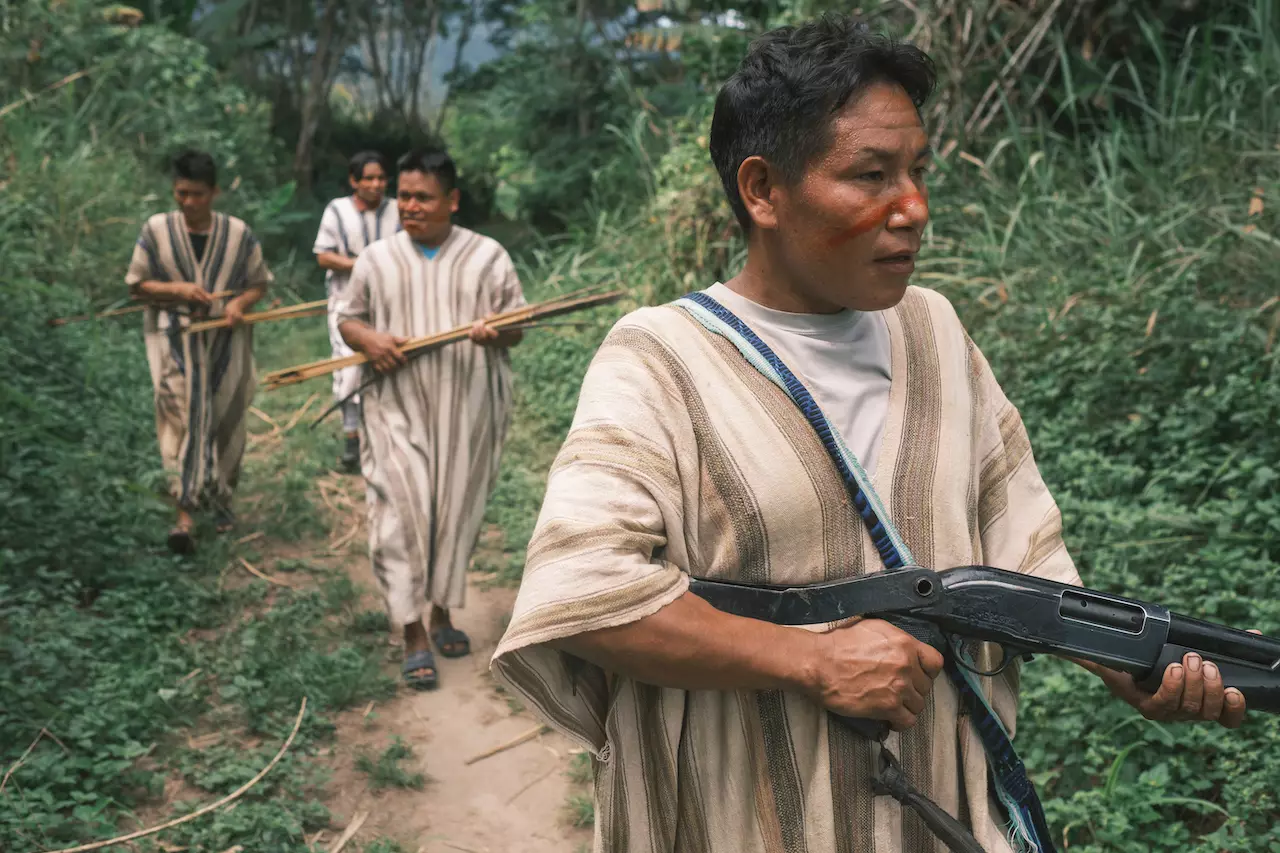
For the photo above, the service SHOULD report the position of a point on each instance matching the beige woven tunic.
(432, 431)
(203, 383)
(682, 459)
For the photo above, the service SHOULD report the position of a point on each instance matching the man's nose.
(911, 210)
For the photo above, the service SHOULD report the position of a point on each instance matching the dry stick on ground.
(230, 798)
(350, 534)
(266, 578)
(297, 416)
(289, 312)
(351, 830)
(40, 734)
(502, 747)
(264, 416)
(252, 536)
(531, 783)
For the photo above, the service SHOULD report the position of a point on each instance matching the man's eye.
(871, 176)
(920, 171)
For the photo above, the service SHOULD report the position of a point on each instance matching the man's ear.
(758, 186)
(213, 194)
(454, 197)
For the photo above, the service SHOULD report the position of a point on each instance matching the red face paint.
(869, 221)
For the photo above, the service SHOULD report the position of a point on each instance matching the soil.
(514, 801)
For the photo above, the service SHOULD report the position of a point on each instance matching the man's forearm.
(336, 262)
(248, 298)
(157, 291)
(690, 645)
(356, 334)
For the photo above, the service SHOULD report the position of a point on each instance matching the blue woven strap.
(1013, 786)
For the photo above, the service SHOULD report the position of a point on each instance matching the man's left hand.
(233, 313)
(1191, 690)
(483, 334)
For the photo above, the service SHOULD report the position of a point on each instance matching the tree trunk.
(320, 79)
(464, 38)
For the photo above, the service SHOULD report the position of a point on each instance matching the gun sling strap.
(1029, 830)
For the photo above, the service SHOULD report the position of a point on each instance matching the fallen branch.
(289, 312)
(266, 578)
(502, 747)
(297, 416)
(252, 536)
(531, 783)
(350, 534)
(350, 831)
(232, 797)
(261, 415)
(40, 734)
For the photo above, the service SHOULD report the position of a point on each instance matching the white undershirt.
(843, 359)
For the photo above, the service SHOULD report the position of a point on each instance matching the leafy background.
(1104, 219)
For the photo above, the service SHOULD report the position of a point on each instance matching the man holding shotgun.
(194, 264)
(432, 429)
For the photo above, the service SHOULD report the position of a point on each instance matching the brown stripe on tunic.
(692, 835)
(912, 509)
(657, 767)
(852, 803)
(766, 806)
(842, 527)
(743, 511)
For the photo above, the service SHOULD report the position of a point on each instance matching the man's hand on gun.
(873, 670)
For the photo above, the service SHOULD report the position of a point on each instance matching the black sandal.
(417, 661)
(450, 636)
(181, 541)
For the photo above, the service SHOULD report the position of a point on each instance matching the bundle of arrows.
(521, 318)
(288, 312)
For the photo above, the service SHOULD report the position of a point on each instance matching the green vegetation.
(1106, 225)
(385, 770)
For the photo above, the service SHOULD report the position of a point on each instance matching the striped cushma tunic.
(204, 383)
(432, 431)
(682, 459)
(348, 231)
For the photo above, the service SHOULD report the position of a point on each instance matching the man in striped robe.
(710, 732)
(348, 226)
(194, 264)
(432, 429)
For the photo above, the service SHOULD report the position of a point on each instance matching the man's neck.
(436, 243)
(765, 283)
(364, 206)
(200, 226)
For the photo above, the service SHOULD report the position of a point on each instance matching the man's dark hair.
(431, 162)
(192, 165)
(780, 102)
(355, 166)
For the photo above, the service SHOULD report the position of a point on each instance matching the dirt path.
(512, 802)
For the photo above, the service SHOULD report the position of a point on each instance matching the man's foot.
(451, 642)
(419, 670)
(350, 460)
(180, 539)
(419, 667)
(225, 520)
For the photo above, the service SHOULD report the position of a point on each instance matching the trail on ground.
(514, 801)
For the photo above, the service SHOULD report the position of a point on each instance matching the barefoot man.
(204, 382)
(347, 228)
(432, 428)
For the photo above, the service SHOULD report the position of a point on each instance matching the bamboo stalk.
(289, 312)
(501, 322)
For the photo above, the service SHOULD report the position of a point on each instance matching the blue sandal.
(420, 661)
(451, 642)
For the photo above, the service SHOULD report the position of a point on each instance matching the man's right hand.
(383, 349)
(191, 293)
(871, 669)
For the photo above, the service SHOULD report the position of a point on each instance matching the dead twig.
(531, 783)
(252, 536)
(265, 577)
(230, 798)
(502, 747)
(350, 831)
(297, 416)
(70, 78)
(264, 416)
(40, 734)
(347, 537)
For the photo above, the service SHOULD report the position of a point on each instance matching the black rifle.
(1025, 615)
